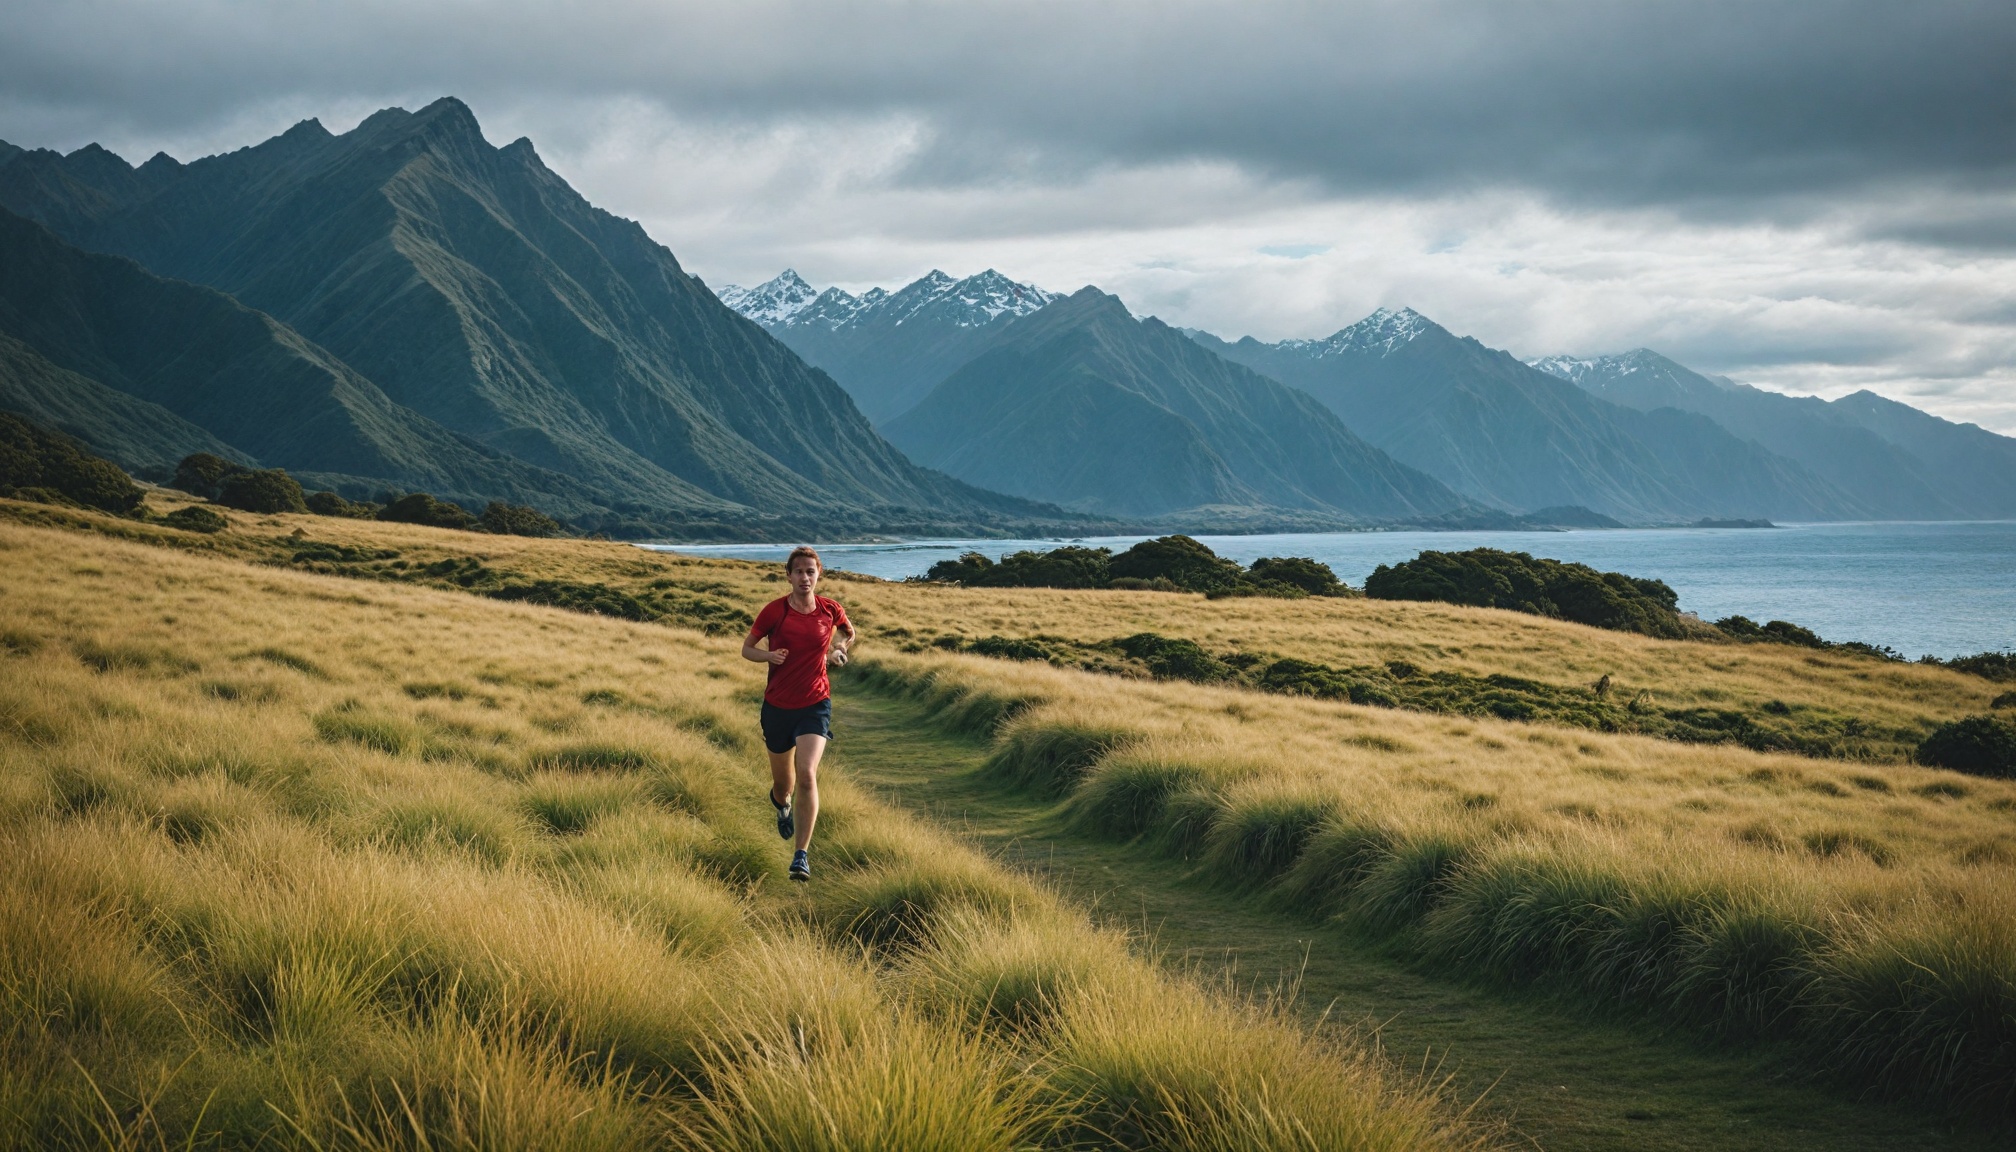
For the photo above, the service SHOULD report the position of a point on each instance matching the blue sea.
(1943, 589)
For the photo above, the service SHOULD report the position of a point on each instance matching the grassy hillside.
(296, 861)
(1852, 910)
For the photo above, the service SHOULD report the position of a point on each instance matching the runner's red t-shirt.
(800, 681)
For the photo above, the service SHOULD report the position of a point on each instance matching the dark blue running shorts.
(783, 726)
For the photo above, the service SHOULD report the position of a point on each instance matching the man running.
(798, 702)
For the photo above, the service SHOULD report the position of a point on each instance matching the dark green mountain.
(1485, 424)
(87, 329)
(471, 285)
(1085, 406)
(1886, 479)
(144, 438)
(889, 349)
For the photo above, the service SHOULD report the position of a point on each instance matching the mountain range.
(888, 349)
(453, 314)
(1488, 425)
(404, 306)
(1080, 404)
(1897, 462)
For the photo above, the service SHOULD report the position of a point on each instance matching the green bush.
(1987, 665)
(1067, 567)
(262, 490)
(1175, 659)
(421, 508)
(1978, 745)
(1774, 632)
(1298, 572)
(1165, 564)
(516, 520)
(598, 599)
(201, 474)
(1488, 578)
(35, 459)
(330, 504)
(196, 518)
(1181, 561)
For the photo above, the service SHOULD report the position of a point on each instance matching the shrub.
(516, 520)
(598, 599)
(1298, 572)
(201, 474)
(263, 490)
(1488, 578)
(2005, 700)
(1774, 632)
(421, 508)
(34, 458)
(1987, 665)
(969, 568)
(1066, 567)
(196, 518)
(1166, 564)
(330, 504)
(1175, 659)
(1180, 560)
(1978, 745)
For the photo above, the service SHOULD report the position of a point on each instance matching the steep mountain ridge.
(889, 349)
(1889, 481)
(1080, 403)
(1484, 423)
(474, 287)
(91, 330)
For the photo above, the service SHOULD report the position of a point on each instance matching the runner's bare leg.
(805, 806)
(781, 776)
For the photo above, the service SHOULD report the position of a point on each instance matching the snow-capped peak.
(977, 300)
(1382, 332)
(775, 301)
(1579, 369)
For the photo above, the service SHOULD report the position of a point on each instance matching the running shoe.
(801, 866)
(785, 825)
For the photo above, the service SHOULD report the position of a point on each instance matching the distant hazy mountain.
(888, 349)
(1973, 467)
(148, 369)
(1889, 481)
(473, 287)
(1486, 424)
(1083, 405)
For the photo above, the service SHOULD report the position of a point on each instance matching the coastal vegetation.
(1164, 564)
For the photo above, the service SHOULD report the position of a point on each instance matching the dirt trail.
(1566, 1079)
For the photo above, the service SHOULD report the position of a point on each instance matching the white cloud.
(1819, 305)
(1814, 196)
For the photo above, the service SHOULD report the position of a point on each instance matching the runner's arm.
(755, 655)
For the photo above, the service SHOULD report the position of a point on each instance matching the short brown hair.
(803, 552)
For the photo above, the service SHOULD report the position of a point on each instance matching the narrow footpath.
(1564, 1078)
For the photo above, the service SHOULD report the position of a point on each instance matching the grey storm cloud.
(1709, 103)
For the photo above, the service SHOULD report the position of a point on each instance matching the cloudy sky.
(1814, 196)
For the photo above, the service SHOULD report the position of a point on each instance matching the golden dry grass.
(1865, 909)
(1435, 637)
(298, 861)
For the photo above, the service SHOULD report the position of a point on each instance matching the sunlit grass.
(1863, 911)
(302, 862)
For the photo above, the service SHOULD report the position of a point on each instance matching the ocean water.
(1943, 589)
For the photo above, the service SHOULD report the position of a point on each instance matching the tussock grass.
(534, 901)
(1747, 894)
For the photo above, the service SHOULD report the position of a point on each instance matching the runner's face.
(804, 576)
